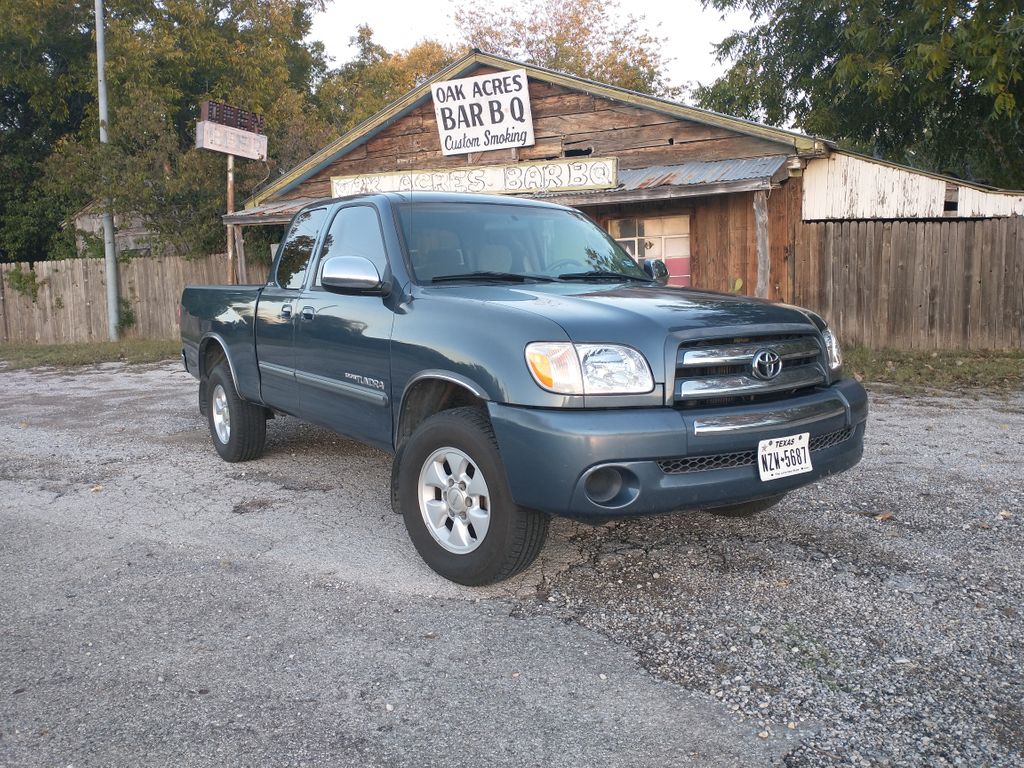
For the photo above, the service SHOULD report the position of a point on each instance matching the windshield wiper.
(513, 277)
(602, 274)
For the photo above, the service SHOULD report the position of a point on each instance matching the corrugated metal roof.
(701, 172)
(277, 212)
(690, 175)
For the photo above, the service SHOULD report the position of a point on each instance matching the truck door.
(276, 310)
(343, 363)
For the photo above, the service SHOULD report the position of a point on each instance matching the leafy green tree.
(44, 56)
(163, 59)
(375, 78)
(588, 38)
(934, 83)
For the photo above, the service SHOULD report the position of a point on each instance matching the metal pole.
(109, 256)
(231, 228)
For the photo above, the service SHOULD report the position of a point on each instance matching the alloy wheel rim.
(221, 414)
(454, 500)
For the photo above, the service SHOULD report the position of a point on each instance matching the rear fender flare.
(204, 346)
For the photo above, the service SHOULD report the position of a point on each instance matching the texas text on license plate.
(784, 456)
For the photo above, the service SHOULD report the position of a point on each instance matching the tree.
(163, 59)
(938, 84)
(375, 78)
(588, 38)
(44, 54)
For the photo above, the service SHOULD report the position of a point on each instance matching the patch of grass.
(915, 371)
(69, 355)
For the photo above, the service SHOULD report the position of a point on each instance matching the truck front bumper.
(637, 461)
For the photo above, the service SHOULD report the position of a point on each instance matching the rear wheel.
(454, 497)
(238, 427)
(747, 508)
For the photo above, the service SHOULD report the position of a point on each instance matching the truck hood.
(616, 312)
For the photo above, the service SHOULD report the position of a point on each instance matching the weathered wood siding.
(723, 236)
(845, 187)
(842, 187)
(975, 202)
(71, 302)
(564, 121)
(915, 284)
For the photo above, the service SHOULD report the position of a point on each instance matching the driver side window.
(355, 231)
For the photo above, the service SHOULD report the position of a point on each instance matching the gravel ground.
(884, 605)
(164, 608)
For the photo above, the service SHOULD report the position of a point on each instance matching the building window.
(665, 237)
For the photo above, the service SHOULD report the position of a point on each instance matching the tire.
(238, 428)
(747, 508)
(445, 526)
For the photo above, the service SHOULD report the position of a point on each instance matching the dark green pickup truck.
(518, 364)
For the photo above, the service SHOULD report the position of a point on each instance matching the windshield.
(495, 241)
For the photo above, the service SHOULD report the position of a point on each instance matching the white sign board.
(476, 114)
(230, 141)
(514, 178)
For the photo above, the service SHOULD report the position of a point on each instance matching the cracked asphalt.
(161, 607)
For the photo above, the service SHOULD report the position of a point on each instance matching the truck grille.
(717, 372)
(743, 458)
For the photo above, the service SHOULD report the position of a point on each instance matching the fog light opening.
(611, 487)
(604, 484)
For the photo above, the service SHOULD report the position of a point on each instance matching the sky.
(689, 30)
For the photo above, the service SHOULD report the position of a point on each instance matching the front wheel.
(456, 503)
(238, 427)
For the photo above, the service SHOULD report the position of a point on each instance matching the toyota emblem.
(766, 364)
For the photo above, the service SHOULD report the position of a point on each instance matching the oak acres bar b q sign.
(476, 114)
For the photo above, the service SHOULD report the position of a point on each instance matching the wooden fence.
(915, 284)
(900, 284)
(71, 306)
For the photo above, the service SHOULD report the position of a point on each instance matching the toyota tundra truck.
(518, 364)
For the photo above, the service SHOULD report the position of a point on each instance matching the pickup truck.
(518, 364)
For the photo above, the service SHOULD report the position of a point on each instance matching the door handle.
(308, 313)
(286, 310)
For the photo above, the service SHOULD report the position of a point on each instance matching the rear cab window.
(297, 248)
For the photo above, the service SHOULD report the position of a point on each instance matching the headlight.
(588, 369)
(835, 355)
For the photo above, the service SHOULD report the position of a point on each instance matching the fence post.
(3, 308)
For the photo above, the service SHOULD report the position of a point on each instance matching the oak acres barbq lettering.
(481, 113)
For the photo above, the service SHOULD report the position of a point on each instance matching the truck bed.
(227, 313)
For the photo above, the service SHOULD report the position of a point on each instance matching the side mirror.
(656, 270)
(351, 274)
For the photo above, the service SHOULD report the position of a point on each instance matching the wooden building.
(894, 256)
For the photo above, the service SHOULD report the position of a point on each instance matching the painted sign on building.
(511, 179)
(231, 141)
(476, 114)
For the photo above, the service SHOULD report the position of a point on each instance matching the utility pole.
(232, 280)
(109, 257)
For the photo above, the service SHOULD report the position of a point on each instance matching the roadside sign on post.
(233, 131)
(231, 141)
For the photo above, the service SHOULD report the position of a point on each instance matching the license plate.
(784, 456)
